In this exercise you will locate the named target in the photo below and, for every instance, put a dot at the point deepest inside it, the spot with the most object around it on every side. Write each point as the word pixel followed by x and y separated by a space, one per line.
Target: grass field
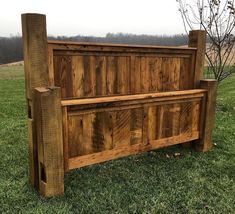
pixel 154 182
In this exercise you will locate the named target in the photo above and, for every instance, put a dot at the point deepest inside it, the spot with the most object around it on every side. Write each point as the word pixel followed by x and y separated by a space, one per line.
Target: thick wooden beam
pixel 208 119
pixel 159 96
pixel 197 39
pixel 36 69
pixel 48 120
pixel 35 51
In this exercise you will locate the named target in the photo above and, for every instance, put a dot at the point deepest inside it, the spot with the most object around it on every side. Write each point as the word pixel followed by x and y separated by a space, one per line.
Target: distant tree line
pixel 11 47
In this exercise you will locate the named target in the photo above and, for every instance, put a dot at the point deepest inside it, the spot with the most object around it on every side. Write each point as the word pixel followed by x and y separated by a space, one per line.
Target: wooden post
pixel 48 119
pixel 208 117
pixel 36 75
pixel 197 39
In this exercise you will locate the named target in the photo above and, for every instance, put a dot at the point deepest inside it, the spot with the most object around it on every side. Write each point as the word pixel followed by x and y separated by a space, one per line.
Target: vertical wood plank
pixel 144 74
pixel 185 82
pixel 123 75
pixel 160 114
pixel 65 137
pixel 89 76
pixel 152 123
pixel 121 128
pixel 135 75
pixel 63 75
pixel 75 134
pixel 78 76
pixel 136 126
pixel 81 135
pixel 102 132
pixel 112 73
pixel 48 120
pixel 154 73
pixel 50 66
pixel 176 119
pixel 195 116
pixel 100 75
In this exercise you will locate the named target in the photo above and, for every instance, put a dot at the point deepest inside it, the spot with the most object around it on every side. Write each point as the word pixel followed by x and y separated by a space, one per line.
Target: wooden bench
pixel 89 103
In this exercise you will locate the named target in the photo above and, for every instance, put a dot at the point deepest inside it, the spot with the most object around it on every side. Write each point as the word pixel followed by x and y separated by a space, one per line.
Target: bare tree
pixel 217 18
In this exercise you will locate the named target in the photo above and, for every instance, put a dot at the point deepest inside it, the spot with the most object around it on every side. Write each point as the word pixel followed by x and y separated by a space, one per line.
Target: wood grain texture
pixel 35 51
pixel 197 39
pixel 115 100
pixel 48 120
pixel 86 160
pixel 98 74
pixel 205 143
pixel 36 75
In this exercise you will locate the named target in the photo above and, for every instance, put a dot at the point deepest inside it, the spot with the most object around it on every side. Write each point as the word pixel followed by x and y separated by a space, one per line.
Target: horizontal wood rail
pixel 87 160
pixel 54 42
pixel 186 94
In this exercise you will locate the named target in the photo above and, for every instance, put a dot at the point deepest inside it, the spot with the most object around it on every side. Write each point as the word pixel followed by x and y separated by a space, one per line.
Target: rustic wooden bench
pixel 89 103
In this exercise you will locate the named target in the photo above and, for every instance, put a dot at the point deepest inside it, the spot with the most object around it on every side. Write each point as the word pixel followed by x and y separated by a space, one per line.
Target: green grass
pixel 147 183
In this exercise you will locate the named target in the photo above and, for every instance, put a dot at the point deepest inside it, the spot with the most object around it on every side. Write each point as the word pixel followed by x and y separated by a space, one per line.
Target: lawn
pixel 154 182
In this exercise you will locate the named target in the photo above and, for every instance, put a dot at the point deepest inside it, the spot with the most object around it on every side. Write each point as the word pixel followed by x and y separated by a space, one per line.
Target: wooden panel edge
pixel 86 160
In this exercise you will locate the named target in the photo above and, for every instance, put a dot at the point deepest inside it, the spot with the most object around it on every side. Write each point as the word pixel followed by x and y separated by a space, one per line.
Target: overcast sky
pixel 95 17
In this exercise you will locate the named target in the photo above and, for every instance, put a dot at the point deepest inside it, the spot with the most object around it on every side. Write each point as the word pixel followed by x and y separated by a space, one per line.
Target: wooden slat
pixel 135 75
pixel 85 44
pixel 154 67
pixel 136 126
pixel 102 136
pixel 165 95
pixel 51 74
pixel 100 69
pixel 123 80
pixel 129 150
pixel 112 74
pixel 160 116
pixel 78 76
pixel 144 74
pixel 152 122
pixel 121 128
pixel 63 74
pixel 65 137
pixel 80 133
